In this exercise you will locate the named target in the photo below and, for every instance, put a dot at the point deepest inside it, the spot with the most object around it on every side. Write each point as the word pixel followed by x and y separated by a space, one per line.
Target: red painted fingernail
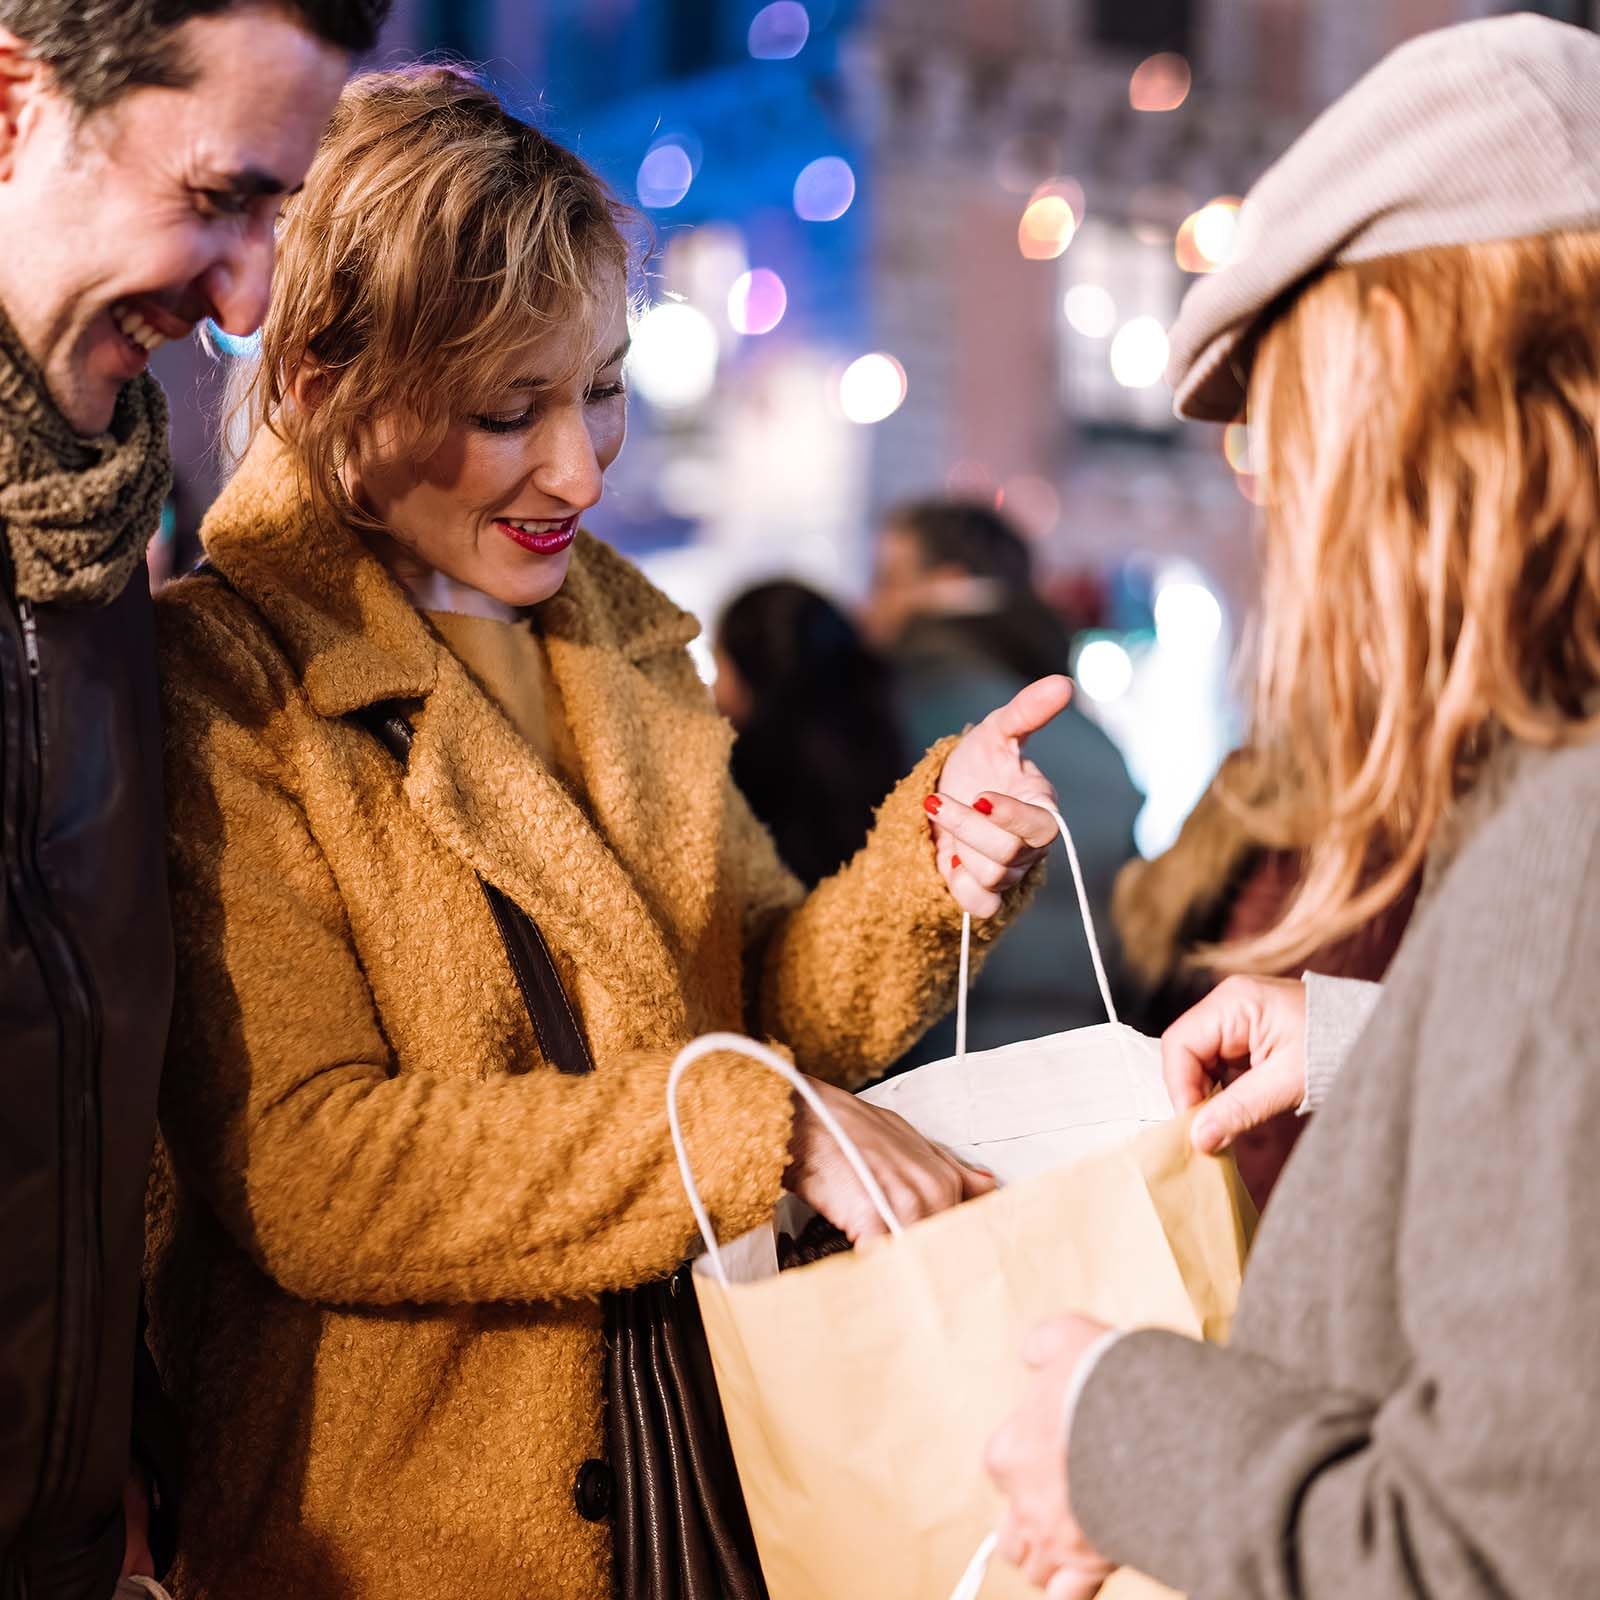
pixel 983 805
pixel 931 805
pixel 955 861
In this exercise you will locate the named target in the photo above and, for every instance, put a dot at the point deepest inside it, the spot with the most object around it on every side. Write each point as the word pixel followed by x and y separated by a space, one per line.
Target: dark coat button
pixel 594 1491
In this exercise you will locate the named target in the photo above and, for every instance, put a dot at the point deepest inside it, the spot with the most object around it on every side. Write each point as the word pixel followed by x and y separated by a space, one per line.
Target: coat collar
pixel 351 630
pixel 623 882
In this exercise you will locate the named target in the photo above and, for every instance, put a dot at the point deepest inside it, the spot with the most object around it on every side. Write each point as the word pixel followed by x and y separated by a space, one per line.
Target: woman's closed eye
pixel 498 422
pixel 505 424
pixel 214 203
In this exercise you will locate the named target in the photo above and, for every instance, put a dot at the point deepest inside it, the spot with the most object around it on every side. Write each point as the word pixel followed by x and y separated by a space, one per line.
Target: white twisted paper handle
pixel 737 1044
pixel 1088 930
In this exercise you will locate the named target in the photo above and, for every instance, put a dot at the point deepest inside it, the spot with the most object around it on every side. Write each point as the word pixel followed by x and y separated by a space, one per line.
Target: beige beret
pixel 1487 130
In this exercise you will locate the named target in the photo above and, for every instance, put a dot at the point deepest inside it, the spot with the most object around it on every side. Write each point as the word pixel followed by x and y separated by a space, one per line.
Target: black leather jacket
pixel 86 971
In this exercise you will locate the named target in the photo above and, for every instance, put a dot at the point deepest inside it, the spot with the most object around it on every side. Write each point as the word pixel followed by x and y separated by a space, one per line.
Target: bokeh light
pixel 1046 228
pixel 872 387
pixel 1090 310
pixel 1188 616
pixel 664 176
pixel 1160 84
pixel 779 32
pixel 1139 353
pixel 1216 227
pixel 824 190
pixel 1032 503
pixel 1104 670
pixel 757 301
pixel 673 362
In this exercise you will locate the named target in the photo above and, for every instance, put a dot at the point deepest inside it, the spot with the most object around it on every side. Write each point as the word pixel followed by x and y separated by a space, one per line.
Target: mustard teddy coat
pixel 383 1224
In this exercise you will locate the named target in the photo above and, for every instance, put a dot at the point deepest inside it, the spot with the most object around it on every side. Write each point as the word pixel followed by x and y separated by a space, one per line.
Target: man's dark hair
pixel 968 535
pixel 99 49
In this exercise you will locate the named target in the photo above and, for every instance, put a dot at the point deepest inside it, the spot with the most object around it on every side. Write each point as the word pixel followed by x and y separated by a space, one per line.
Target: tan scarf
pixel 77 512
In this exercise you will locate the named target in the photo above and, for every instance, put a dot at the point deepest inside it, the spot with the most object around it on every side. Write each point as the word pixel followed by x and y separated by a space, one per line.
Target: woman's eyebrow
pixel 544 383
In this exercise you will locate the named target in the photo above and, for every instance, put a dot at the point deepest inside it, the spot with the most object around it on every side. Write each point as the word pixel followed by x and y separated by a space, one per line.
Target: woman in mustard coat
pixel 385 1222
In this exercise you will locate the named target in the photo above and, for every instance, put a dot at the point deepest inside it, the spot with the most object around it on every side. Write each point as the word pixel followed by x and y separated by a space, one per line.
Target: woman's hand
pixel 1255 1024
pixel 1027 1459
pixel 917 1178
pixel 988 829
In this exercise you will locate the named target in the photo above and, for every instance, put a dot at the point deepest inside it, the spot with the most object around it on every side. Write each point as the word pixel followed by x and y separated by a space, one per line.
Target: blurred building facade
pixel 906 246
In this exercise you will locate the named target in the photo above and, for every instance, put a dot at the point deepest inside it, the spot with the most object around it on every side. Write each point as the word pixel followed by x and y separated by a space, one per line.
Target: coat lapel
pixel 654 761
pixel 623 888
pixel 487 797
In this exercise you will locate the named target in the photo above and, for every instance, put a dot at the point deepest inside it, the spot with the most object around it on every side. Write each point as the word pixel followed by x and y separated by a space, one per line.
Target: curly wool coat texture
pixel 380 1235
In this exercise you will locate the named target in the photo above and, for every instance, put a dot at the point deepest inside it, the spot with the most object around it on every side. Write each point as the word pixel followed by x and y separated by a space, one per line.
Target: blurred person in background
pixel 818 746
pixel 1406 1406
pixel 145 146
pixel 406 678
pixel 953 603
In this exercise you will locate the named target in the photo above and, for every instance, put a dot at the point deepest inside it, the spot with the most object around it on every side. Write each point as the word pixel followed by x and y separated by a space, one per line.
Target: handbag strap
pixel 555 1022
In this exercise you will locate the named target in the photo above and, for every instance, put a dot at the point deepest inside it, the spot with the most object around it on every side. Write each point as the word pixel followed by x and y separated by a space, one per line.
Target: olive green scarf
pixel 78 512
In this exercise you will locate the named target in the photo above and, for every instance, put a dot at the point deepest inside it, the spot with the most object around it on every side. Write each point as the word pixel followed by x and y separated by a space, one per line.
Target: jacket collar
pixel 350 628
pixel 648 871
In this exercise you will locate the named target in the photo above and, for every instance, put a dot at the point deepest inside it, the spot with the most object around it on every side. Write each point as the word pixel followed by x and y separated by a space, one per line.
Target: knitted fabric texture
pixel 78 512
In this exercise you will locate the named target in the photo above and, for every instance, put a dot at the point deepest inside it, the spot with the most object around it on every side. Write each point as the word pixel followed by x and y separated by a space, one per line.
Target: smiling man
pixel 145 146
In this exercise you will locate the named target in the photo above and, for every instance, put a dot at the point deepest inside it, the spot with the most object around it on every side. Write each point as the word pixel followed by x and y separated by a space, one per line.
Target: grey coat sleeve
pixel 1337 1009
pixel 1477 1474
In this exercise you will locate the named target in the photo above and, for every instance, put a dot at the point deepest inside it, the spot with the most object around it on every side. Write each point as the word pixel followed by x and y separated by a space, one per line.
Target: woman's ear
pixel 309 387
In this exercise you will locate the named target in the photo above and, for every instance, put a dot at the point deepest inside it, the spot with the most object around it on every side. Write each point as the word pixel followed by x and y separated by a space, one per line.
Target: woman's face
pixel 496 506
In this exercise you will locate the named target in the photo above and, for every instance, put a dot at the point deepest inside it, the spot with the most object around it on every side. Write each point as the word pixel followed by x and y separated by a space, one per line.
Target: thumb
pixel 1253 1098
pixel 1032 707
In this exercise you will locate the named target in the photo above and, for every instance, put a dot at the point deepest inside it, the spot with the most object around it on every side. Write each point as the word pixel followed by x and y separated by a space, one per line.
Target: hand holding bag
pixel 860 1390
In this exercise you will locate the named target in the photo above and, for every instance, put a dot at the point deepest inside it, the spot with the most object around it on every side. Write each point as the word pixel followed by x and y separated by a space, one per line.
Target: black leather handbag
pixel 680 1530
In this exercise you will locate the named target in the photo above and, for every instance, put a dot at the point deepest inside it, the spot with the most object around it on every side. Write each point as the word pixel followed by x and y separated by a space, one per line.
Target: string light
pixel 1046 228
pixel 757 301
pixel 779 32
pixel 1090 310
pixel 673 360
pixel 824 190
pixel 872 387
pixel 664 176
pixel 1160 84
pixel 1104 670
pixel 1139 353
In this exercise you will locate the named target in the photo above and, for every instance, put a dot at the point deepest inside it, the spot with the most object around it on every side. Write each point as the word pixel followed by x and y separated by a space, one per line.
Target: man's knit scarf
pixel 77 512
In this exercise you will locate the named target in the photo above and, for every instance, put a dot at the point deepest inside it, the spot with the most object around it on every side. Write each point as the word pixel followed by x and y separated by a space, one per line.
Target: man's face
pixel 899 587
pixel 126 229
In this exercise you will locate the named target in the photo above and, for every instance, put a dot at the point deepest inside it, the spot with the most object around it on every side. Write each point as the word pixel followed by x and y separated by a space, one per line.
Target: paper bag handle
pixel 1088 929
pixel 737 1044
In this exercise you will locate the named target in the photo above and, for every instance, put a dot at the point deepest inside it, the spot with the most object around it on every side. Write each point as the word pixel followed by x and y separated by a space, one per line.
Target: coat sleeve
pixel 1477 1474
pixel 850 976
pixel 345 1181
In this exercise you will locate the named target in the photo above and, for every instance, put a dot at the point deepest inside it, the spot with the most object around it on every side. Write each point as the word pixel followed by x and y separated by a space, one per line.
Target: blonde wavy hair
pixel 1432 489
pixel 436 236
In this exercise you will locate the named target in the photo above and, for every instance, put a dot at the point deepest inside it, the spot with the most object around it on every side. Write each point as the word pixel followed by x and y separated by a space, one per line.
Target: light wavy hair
pixel 1432 488
pixel 437 236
